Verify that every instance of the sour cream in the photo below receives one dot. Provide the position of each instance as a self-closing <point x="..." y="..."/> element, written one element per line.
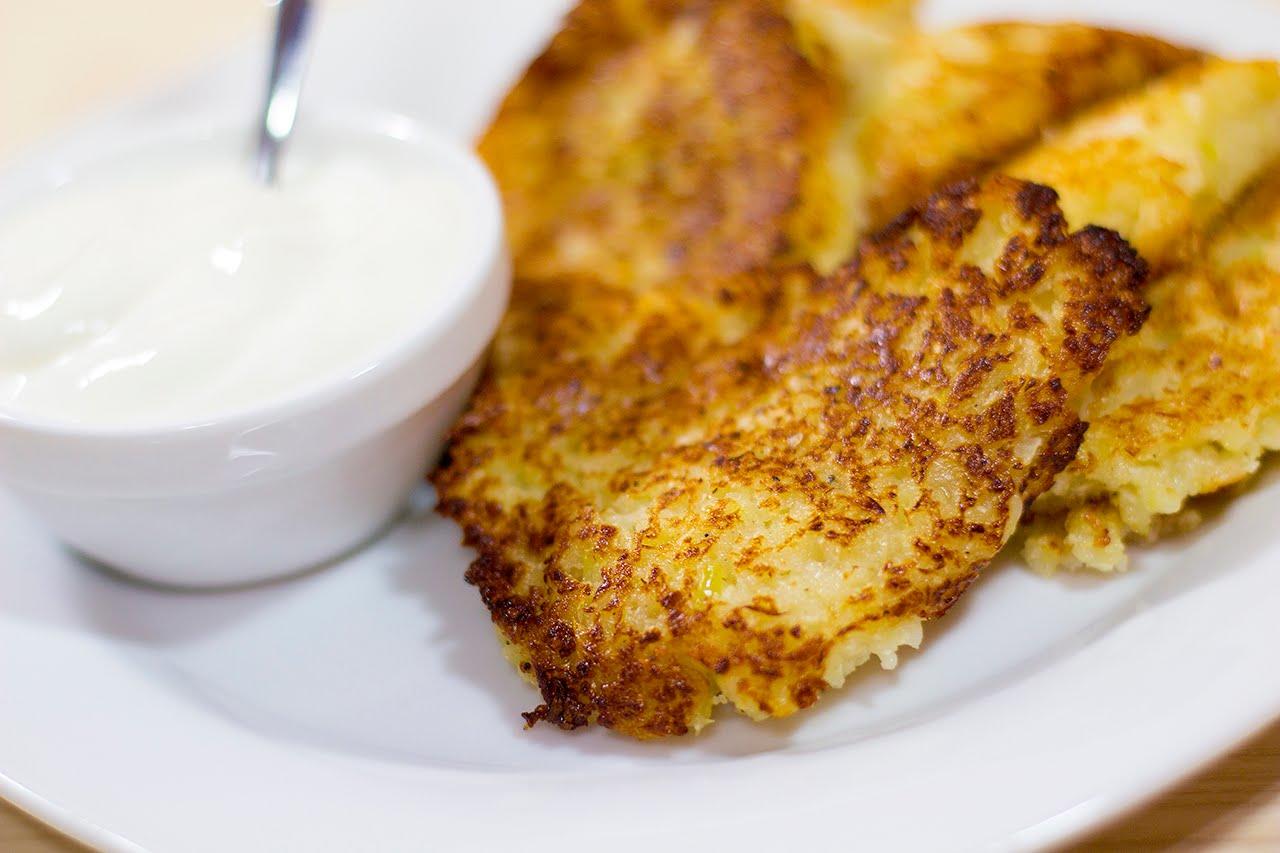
<point x="169" y="287"/>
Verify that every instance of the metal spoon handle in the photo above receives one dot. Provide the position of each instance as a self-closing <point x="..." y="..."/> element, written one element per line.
<point x="284" y="84"/>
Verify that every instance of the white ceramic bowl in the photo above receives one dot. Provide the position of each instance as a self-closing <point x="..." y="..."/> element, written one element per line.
<point x="278" y="488"/>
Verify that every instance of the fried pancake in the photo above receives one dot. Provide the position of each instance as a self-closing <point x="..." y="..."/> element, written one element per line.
<point x="1186" y="407"/>
<point x="748" y="489"/>
<point x="1160" y="165"/>
<point x="804" y="497"/>
<point x="687" y="138"/>
<point x="957" y="102"/>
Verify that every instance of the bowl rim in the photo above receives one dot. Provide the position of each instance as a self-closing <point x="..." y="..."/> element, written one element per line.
<point x="474" y="278"/>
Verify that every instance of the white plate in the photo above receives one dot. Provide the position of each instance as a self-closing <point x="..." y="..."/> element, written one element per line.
<point x="367" y="706"/>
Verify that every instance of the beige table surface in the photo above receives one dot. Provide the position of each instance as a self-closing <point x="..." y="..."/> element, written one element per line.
<point x="60" y="58"/>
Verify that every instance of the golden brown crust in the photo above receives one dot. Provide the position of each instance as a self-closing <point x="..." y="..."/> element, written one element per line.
<point x="758" y="511"/>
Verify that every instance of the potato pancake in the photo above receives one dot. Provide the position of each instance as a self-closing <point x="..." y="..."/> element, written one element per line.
<point x="816" y="490"/>
<point x="1185" y="408"/>
<point x="687" y="138"/>
<point x="1161" y="165"/>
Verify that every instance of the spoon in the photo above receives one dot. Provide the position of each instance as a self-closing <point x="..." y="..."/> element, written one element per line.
<point x="284" y="84"/>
